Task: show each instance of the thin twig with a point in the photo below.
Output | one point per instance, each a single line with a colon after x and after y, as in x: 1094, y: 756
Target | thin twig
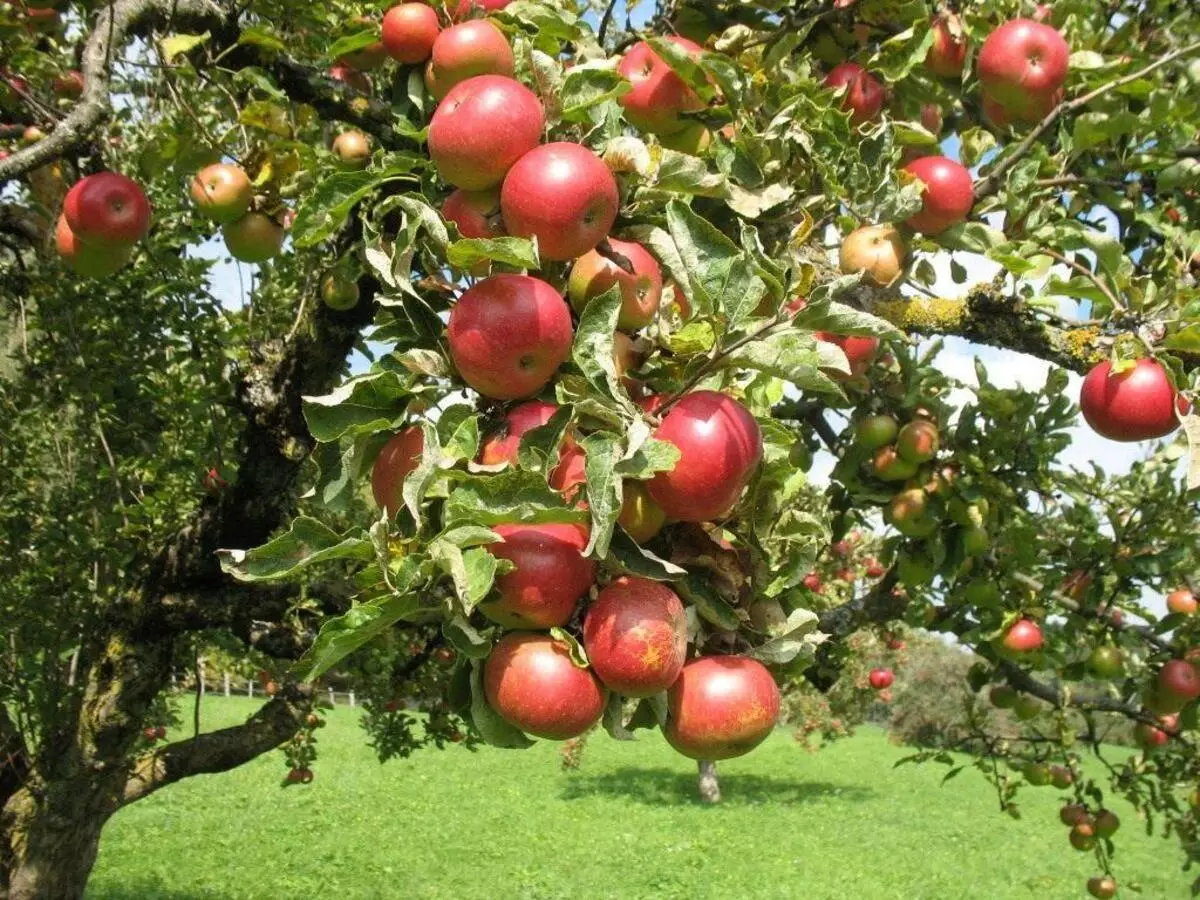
x: 605, y: 21
x: 1087, y: 273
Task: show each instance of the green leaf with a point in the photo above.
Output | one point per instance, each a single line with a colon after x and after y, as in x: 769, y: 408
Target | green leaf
x: 538, y: 450
x: 306, y: 543
x: 651, y: 457
x: 511, y: 496
x: 268, y: 116
x: 261, y: 36
x: 839, y: 318
x: 634, y: 559
x: 177, y: 44
x: 472, y: 571
x: 458, y: 431
x: 792, y: 355
x: 362, y: 405
x: 520, y: 253
x: 350, y: 43
x: 1093, y: 129
x: 798, y: 636
x: 328, y: 204
x: 488, y: 723
x: 593, y: 347
x: 711, y: 606
x: 975, y: 237
x: 587, y: 86
x: 602, y: 451
x: 705, y: 255
x: 574, y: 648
x: 614, y: 712
x: 419, y: 480
x: 684, y: 173
x: 466, y: 639
x: 903, y: 52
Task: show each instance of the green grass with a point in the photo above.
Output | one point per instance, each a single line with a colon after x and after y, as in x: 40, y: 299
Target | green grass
x: 496, y: 824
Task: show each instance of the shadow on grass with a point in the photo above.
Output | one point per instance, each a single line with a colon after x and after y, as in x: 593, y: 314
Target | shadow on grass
x: 147, y: 890
x: 668, y: 787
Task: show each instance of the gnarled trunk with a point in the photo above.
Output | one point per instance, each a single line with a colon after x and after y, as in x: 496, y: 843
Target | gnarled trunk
x: 710, y: 788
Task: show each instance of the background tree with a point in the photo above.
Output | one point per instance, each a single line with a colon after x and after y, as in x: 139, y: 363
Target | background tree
x: 154, y: 437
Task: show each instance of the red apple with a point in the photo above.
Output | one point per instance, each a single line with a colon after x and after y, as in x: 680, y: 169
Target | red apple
x: 931, y: 118
x: 482, y: 127
x: 949, y: 51
x: 551, y: 575
x: 502, y: 445
x: 531, y: 683
x: 1102, y: 887
x: 860, y: 351
x: 640, y: 515
x: 641, y: 289
x: 881, y: 678
x: 635, y: 635
x: 509, y: 334
x: 720, y: 446
x: 409, y: 31
x: 1023, y: 636
x: 1182, y: 602
x: 476, y: 213
x: 1022, y: 68
x: 222, y: 192
x: 864, y: 92
x: 721, y: 707
x: 918, y: 441
x: 812, y: 581
x: 399, y: 456
x: 353, y: 148
x: 69, y: 85
x: 464, y: 51
x: 659, y: 95
x: 948, y: 196
x: 107, y: 209
x: 1178, y: 685
x: 562, y: 194
x: 1106, y: 823
x: 88, y: 260
x: 569, y: 474
x: 351, y: 77
x: 1073, y: 814
x: 1083, y: 836
x: 1137, y: 404
x: 254, y: 238
x: 888, y: 465
x: 1149, y: 737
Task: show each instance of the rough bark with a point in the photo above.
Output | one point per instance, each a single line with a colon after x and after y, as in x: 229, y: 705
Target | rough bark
x: 710, y: 788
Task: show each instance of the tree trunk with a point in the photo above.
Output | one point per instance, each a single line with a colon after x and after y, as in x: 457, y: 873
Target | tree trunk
x: 51, y: 841
x: 710, y: 788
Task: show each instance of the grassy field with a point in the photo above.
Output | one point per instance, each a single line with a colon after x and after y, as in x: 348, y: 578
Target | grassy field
x: 457, y: 825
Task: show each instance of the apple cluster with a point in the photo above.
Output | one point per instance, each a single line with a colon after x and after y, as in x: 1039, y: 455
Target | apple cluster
x: 103, y: 217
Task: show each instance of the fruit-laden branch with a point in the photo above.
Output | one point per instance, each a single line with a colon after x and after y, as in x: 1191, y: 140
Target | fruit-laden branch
x: 220, y: 751
x: 113, y: 26
x: 991, y: 182
x: 882, y: 603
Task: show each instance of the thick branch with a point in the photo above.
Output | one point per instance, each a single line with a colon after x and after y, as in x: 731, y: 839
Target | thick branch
x: 113, y: 26
x: 991, y: 183
x: 220, y: 751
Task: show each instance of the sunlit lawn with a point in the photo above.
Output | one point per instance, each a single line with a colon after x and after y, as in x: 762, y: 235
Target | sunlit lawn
x: 842, y: 823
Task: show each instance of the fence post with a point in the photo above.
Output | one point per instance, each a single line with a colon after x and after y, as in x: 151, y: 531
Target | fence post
x: 352, y: 699
x: 332, y: 701
x: 225, y: 681
x: 250, y: 688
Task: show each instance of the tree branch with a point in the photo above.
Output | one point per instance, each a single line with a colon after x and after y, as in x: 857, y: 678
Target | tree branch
x: 879, y: 604
x: 113, y: 25
x: 220, y: 751
x: 991, y: 182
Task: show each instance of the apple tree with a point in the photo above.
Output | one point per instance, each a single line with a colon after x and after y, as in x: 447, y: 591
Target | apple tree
x: 547, y: 307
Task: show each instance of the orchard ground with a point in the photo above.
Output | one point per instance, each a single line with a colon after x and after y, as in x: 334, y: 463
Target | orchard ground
x: 839, y: 823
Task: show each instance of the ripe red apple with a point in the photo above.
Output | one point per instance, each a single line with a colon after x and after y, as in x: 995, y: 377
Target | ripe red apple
x: 222, y: 192
x: 918, y: 441
x: 635, y: 635
x: 399, y: 456
x: 107, y: 209
x: 1101, y: 886
x: 88, y: 260
x: 721, y: 707
x: 1135, y: 405
x: 569, y: 475
x: 659, y: 95
x: 502, y: 445
x: 353, y: 148
x: 948, y: 54
x: 1083, y: 836
x: 482, y: 127
x: 1178, y: 684
x: 464, y: 51
x: 881, y: 678
x: 1073, y: 814
x: 895, y: 644
x: 409, y: 31
x: 562, y: 194
x: 640, y: 515
x: 1182, y: 602
x: 720, y: 446
x: 948, y: 196
x: 860, y: 351
x: 254, y: 238
x: 1022, y: 68
x: 551, y: 574
x: 351, y: 77
x: 931, y: 118
x: 908, y: 512
x: 531, y: 683
x: 641, y: 289
x: 879, y: 251
x: 69, y: 85
x: 1023, y: 636
x: 476, y: 213
x: 864, y: 95
x: 509, y: 334
x: 1149, y: 737
x: 812, y: 581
